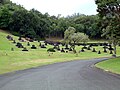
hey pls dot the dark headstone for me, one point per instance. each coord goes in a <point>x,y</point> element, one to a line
<point>55,47</point>
<point>105,47</point>
<point>33,47</point>
<point>28,44</point>
<point>111,52</point>
<point>24,49</point>
<point>9,37</point>
<point>88,48</point>
<point>46,43</point>
<point>66,46</point>
<point>82,50</point>
<point>91,45</point>
<point>12,49</point>
<point>31,40</point>
<point>110,47</point>
<point>20,38</point>
<point>14,41</point>
<point>84,47</point>
<point>105,44</point>
<point>101,44</point>
<point>105,51</point>
<point>19,45</point>
<point>58,48</point>
<point>94,50</point>
<point>43,46</point>
<point>99,52</point>
<point>114,55</point>
<point>62,50</point>
<point>40,44</point>
<point>70,49</point>
<point>66,51</point>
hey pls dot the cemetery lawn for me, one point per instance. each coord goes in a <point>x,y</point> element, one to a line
<point>11,61</point>
<point>112,65</point>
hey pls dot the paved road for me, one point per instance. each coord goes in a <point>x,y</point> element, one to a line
<point>76,75</point>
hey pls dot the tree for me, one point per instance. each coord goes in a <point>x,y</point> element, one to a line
<point>5,16</point>
<point>79,37</point>
<point>68,33</point>
<point>109,12</point>
<point>1,1</point>
<point>72,38</point>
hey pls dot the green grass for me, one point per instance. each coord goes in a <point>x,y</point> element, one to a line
<point>18,60</point>
<point>112,65</point>
<point>4,43</point>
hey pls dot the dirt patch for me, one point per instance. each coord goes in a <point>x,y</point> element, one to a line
<point>4,31</point>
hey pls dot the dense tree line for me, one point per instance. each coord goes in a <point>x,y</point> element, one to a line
<point>34,24</point>
<point>109,14</point>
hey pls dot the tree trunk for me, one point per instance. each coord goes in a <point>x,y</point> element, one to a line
<point>115,52</point>
<point>74,46</point>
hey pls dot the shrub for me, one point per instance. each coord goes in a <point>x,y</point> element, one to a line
<point>12,49</point>
<point>74,51</point>
<point>51,50</point>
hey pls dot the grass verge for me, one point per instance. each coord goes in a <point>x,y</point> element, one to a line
<point>112,65</point>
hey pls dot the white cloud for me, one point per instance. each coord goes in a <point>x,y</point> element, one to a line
<point>64,7</point>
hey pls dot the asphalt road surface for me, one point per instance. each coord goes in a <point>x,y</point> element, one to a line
<point>75,75</point>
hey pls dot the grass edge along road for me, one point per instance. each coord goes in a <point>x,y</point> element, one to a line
<point>10,65</point>
<point>112,65</point>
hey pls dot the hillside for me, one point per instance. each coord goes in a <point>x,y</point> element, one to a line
<point>4,43</point>
<point>19,60</point>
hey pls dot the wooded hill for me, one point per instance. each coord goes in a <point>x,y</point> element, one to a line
<point>33,24</point>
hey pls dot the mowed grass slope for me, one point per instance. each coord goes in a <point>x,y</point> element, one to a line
<point>4,43</point>
<point>112,65</point>
<point>19,60</point>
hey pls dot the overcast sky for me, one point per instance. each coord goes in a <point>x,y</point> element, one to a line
<point>63,7</point>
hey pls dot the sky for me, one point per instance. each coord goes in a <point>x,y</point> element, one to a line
<point>63,7</point>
